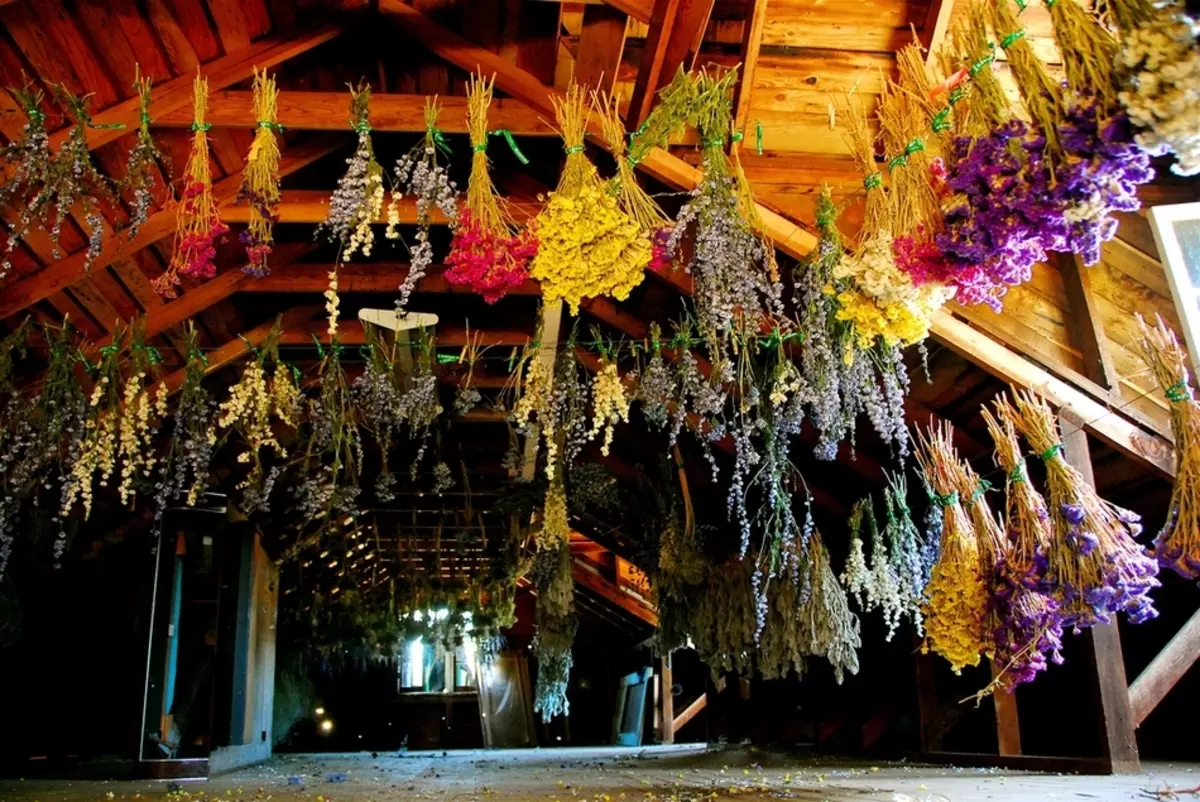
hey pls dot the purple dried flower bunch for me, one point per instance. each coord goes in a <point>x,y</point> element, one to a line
<point>1094,567</point>
<point>142,168</point>
<point>422,175</point>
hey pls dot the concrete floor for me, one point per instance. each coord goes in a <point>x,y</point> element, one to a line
<point>610,775</point>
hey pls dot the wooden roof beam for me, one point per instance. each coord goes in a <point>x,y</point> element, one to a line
<point>327,111</point>
<point>676,29</point>
<point>640,10</point>
<point>937,24</point>
<point>751,45</point>
<point>370,277</point>
<point>601,44</point>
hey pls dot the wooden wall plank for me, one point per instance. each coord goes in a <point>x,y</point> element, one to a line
<point>139,31</point>
<point>600,46</point>
<point>176,45</point>
<point>193,20</point>
<point>1084,322</point>
<point>879,26</point>
<point>66,43</point>
<point>751,45</point>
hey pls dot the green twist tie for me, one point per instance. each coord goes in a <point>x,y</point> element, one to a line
<point>145,118</point>
<point>435,133</point>
<point>983,487</point>
<point>573,149</point>
<point>899,161</point>
<point>447,359</point>
<point>758,136</point>
<point>512,144</point>
<point>736,136</point>
<point>1050,3</point>
<point>916,146</point>
<point>1179,391</point>
<point>200,126</point>
<point>1009,40</point>
<point>109,350</point>
<point>1017,474</point>
<point>36,115</point>
<point>873,181</point>
<point>196,355</point>
<point>480,148</point>
<point>941,120</point>
<point>102,126</point>
<point>956,95</point>
<point>276,127</point>
<point>980,65</point>
<point>719,142</point>
<point>1024,4</point>
<point>948,500</point>
<point>1052,452</point>
<point>362,126</point>
<point>152,354</point>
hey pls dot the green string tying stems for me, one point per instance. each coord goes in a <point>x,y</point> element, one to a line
<point>276,127</point>
<point>983,487</point>
<point>36,115</point>
<point>758,136</point>
<point>200,126</point>
<point>196,355</point>
<point>512,144</point>
<point>1051,452</point>
<point>982,64</point>
<point>941,120</point>
<point>362,126</point>
<point>569,149</point>
<point>435,133</point>
<point>948,500</point>
<point>1017,474</point>
<point>447,359</point>
<point>153,355</point>
<point>1012,38</point>
<point>1179,391</point>
<point>718,142</point>
<point>873,181</point>
<point>145,119</point>
<point>956,95</point>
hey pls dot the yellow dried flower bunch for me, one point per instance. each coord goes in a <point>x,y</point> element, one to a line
<point>139,419</point>
<point>587,246</point>
<point>533,410</point>
<point>260,179</point>
<point>957,599</point>
<point>610,404</point>
<point>98,450</point>
<point>556,528</point>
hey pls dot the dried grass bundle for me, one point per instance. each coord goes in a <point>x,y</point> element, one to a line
<point>260,179</point>
<point>957,598</point>
<point>1095,567</point>
<point>1177,545</point>
<point>1041,93</point>
<point>1088,51</point>
<point>904,128</point>
<point>975,53</point>
<point>1026,517</point>
<point>631,197</point>
<point>861,141</point>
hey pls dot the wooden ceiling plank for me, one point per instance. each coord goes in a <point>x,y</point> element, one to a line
<point>100,23</point>
<point>138,30</point>
<point>65,272</point>
<point>194,20</point>
<point>600,47</point>
<point>1084,322</point>
<point>231,24</point>
<point>53,44</point>
<point>328,111</point>
<point>376,277</point>
<point>176,46</point>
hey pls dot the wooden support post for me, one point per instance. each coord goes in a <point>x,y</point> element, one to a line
<point>1156,681</point>
<point>668,701</point>
<point>1083,321</point>
<point>1008,725</point>
<point>1120,742</point>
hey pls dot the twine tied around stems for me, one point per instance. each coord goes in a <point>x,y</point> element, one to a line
<point>435,134</point>
<point>873,181</point>
<point>983,487</point>
<point>152,354</point>
<point>718,142</point>
<point>915,146</point>
<point>569,149</point>
<point>1017,474</point>
<point>362,126</point>
<point>1051,452</point>
<point>271,126</point>
<point>941,121</point>
<point>199,356</point>
<point>948,500</point>
<point>200,126</point>
<point>981,64</point>
<point>1179,391</point>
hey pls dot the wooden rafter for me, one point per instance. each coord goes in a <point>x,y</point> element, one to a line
<point>600,46</point>
<point>640,10</point>
<point>676,29</point>
<point>69,271</point>
<point>352,333</point>
<point>372,278</point>
<point>327,111</point>
<point>751,45</point>
<point>1165,670</point>
<point>937,23</point>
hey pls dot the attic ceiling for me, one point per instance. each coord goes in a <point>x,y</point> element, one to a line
<point>796,56</point>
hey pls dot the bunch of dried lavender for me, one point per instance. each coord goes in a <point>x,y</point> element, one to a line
<point>74,179</point>
<point>29,164</point>
<point>556,627</point>
<point>419,405</point>
<point>420,173</point>
<point>357,202</point>
<point>142,166</point>
<point>905,546</point>
<point>656,385</point>
<point>379,400</point>
<point>333,457</point>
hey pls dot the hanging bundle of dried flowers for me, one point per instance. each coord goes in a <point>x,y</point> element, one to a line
<point>198,227</point>
<point>904,547</point>
<point>357,202</point>
<point>1094,568</point>
<point>877,586</point>
<point>729,264</point>
<point>610,404</point>
<point>421,174</point>
<point>489,254</point>
<point>957,598</point>
<point>193,434</point>
<point>556,625</point>
<point>1027,633</point>
<point>587,246</point>
<point>1177,545</point>
<point>252,405</point>
<point>29,164</point>
<point>829,629</point>
<point>378,393</point>
<point>1159,68</point>
<point>260,179</point>
<point>420,404</point>
<point>142,166</point>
